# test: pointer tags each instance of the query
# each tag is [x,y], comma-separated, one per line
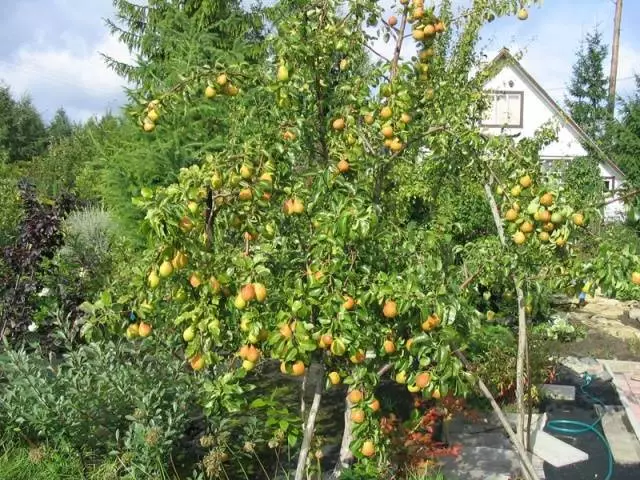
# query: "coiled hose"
[572,427]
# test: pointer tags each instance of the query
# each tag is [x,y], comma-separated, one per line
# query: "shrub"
[493,352]
[38,237]
[129,399]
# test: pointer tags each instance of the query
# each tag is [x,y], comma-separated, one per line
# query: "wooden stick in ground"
[526,461]
[309,428]
[522,322]
[346,456]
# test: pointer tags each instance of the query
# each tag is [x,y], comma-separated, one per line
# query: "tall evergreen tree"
[7,105]
[625,141]
[193,32]
[60,126]
[22,131]
[587,99]
[171,41]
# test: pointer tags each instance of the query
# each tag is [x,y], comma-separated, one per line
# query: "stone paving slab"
[622,440]
[624,374]
[553,450]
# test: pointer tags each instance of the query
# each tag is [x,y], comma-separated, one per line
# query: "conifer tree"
[587,99]
[60,126]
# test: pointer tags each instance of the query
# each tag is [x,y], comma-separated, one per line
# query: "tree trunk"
[346,457]
[520,360]
[522,324]
[309,428]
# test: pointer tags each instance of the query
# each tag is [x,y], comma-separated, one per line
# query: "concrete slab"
[553,450]
[623,374]
[559,392]
[556,452]
[622,440]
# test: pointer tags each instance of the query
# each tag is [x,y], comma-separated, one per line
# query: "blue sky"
[50,48]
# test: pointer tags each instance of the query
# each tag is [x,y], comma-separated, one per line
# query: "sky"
[50,49]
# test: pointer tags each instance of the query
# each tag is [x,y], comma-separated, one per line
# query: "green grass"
[42,463]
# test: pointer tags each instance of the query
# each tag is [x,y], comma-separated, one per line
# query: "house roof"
[505,56]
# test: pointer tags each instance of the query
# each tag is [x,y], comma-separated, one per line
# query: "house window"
[609,184]
[505,109]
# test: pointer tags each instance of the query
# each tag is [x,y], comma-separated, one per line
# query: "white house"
[520,106]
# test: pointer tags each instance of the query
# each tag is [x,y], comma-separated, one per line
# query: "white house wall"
[614,210]
[536,113]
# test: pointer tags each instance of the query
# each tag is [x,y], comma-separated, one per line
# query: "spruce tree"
[191,32]
[625,142]
[587,99]
[171,41]
[60,126]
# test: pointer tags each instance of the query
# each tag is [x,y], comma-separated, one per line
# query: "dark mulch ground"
[583,410]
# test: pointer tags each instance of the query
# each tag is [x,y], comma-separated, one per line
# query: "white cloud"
[78,73]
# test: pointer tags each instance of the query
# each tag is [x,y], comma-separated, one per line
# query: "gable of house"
[520,106]
[525,110]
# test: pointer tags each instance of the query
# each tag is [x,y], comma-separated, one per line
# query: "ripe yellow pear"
[209,92]
[165,269]
[197,362]
[148,125]
[396,145]
[246,172]
[298,368]
[519,238]
[153,280]
[525,181]
[390,309]
[261,292]
[389,346]
[334,378]
[387,131]
[221,79]
[132,331]
[523,14]
[338,124]
[386,113]
[153,115]
[248,365]
[283,73]
[368,449]
[343,166]
[635,278]
[144,329]
[418,34]
[239,302]
[298,206]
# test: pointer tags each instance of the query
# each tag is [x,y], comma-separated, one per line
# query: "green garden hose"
[572,427]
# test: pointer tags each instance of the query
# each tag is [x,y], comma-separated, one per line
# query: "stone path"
[615,318]
[626,378]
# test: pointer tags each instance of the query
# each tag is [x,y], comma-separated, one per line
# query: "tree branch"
[309,428]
